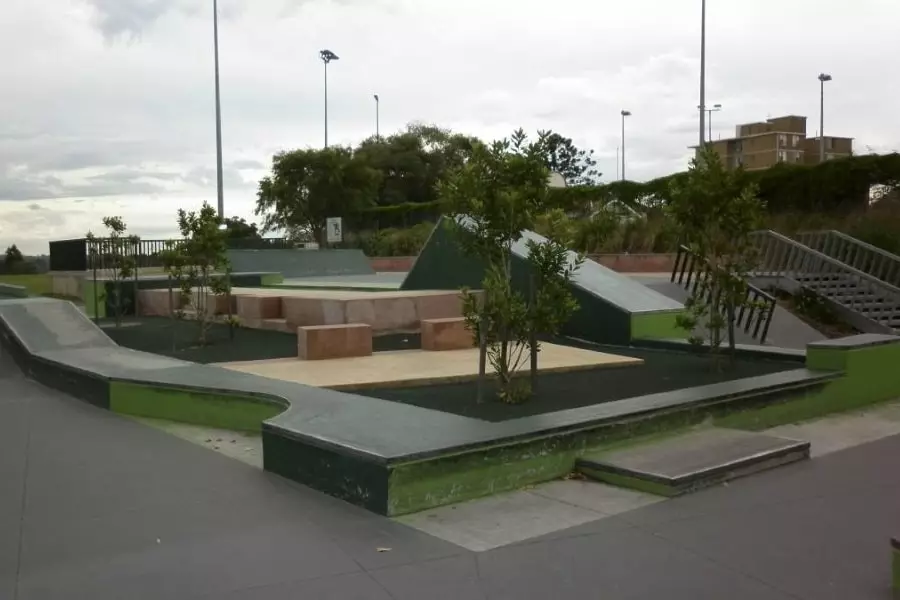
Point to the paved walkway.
(94, 506)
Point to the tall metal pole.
(821, 119)
(377, 118)
(702, 71)
(219, 179)
(709, 122)
(326, 103)
(623, 145)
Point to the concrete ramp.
(302, 263)
(46, 324)
(613, 308)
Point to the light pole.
(625, 113)
(823, 77)
(377, 118)
(219, 180)
(709, 112)
(702, 72)
(327, 56)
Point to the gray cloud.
(130, 17)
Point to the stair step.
(691, 462)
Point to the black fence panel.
(68, 255)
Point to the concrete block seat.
(320, 342)
(446, 334)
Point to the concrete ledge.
(320, 342)
(253, 308)
(446, 334)
(388, 457)
(692, 462)
(13, 291)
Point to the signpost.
(334, 230)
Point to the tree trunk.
(482, 359)
(532, 336)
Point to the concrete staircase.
(863, 291)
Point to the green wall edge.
(657, 326)
(870, 376)
(210, 409)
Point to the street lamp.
(327, 56)
(823, 77)
(377, 118)
(709, 112)
(219, 180)
(702, 71)
(625, 113)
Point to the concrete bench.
(320, 342)
(446, 334)
(258, 308)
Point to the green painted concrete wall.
(870, 375)
(225, 411)
(657, 326)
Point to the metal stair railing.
(781, 256)
(755, 312)
(855, 253)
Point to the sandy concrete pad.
(338, 294)
(415, 367)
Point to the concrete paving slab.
(593, 495)
(239, 445)
(688, 462)
(352, 586)
(839, 432)
(499, 520)
(415, 367)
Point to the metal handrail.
(858, 254)
(755, 313)
(786, 257)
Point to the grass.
(38, 284)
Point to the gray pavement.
(94, 506)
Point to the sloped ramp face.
(302, 263)
(44, 325)
(613, 308)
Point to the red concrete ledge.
(623, 263)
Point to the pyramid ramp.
(613, 308)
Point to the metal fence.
(102, 253)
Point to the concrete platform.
(414, 367)
(694, 461)
(374, 282)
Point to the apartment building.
(783, 139)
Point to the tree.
(716, 210)
(308, 186)
(492, 198)
(577, 166)
(199, 265)
(13, 259)
(236, 228)
(116, 253)
(411, 163)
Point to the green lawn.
(37, 285)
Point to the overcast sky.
(107, 106)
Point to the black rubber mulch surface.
(178, 339)
(662, 371)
